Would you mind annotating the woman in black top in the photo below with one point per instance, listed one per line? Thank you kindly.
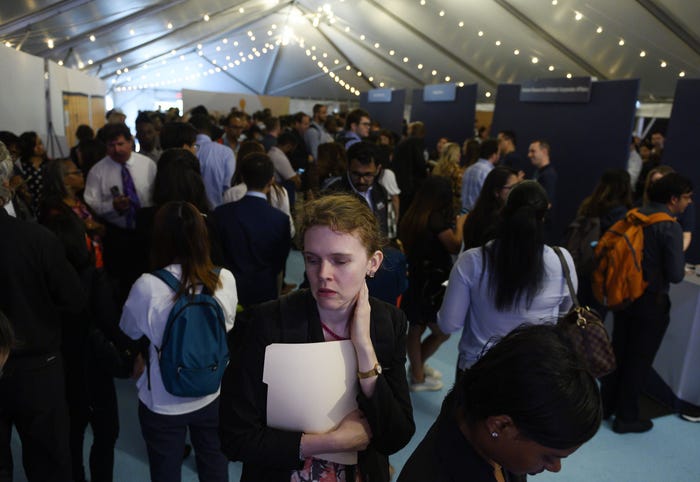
(430, 234)
(525, 405)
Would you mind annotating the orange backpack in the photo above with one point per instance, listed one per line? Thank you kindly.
(617, 278)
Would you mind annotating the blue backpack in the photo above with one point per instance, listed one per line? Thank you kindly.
(193, 353)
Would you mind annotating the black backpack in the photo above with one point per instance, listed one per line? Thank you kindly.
(582, 235)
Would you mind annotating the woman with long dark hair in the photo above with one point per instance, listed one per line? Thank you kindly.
(513, 279)
(480, 225)
(178, 179)
(181, 247)
(610, 199)
(430, 237)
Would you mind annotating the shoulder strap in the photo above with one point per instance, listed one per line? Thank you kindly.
(567, 275)
(168, 278)
(659, 217)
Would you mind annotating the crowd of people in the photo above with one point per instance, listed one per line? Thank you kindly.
(402, 246)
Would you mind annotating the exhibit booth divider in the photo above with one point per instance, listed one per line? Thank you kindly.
(588, 129)
(447, 111)
(680, 146)
(385, 106)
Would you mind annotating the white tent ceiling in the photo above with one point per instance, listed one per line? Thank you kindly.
(291, 48)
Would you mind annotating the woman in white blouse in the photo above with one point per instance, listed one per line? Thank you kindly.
(180, 246)
(510, 280)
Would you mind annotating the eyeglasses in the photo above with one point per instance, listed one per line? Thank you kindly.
(365, 124)
(74, 173)
(508, 188)
(363, 175)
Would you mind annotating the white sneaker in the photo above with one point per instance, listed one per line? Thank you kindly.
(690, 418)
(428, 371)
(432, 372)
(429, 385)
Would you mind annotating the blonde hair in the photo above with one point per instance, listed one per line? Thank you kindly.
(343, 213)
(449, 160)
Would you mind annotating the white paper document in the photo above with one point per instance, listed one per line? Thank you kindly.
(311, 387)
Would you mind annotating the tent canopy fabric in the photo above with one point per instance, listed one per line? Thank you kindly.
(334, 49)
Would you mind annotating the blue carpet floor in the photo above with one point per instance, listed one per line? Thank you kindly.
(670, 452)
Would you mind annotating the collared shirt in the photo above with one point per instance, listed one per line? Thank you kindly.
(10, 209)
(280, 161)
(218, 164)
(107, 173)
(367, 195)
(472, 182)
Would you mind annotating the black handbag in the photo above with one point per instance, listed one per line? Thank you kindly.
(586, 331)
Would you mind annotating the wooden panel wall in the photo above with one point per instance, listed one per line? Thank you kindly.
(82, 109)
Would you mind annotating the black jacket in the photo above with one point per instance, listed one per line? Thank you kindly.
(270, 454)
(37, 285)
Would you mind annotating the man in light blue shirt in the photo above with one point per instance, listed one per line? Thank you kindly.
(474, 176)
(217, 162)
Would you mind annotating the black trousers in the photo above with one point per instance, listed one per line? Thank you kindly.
(33, 399)
(637, 334)
(165, 440)
(92, 399)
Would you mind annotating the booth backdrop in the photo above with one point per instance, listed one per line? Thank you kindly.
(585, 138)
(680, 148)
(452, 119)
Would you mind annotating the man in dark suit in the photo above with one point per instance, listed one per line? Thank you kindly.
(255, 236)
(37, 285)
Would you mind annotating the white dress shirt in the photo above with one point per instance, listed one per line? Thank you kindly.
(108, 173)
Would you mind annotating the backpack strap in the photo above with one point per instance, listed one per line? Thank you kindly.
(567, 275)
(168, 278)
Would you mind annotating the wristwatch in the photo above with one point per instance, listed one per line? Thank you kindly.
(376, 370)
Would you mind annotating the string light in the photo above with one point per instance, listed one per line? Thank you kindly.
(325, 13)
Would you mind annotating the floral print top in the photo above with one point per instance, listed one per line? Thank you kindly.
(317, 470)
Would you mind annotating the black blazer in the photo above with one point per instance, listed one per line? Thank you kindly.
(256, 240)
(270, 454)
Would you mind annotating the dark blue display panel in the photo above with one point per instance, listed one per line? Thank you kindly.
(585, 138)
(454, 120)
(681, 145)
(389, 114)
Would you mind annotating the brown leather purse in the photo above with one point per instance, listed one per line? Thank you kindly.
(586, 331)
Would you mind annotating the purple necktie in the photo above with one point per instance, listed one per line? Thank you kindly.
(130, 192)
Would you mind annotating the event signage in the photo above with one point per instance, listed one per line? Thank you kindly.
(440, 93)
(576, 89)
(379, 96)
